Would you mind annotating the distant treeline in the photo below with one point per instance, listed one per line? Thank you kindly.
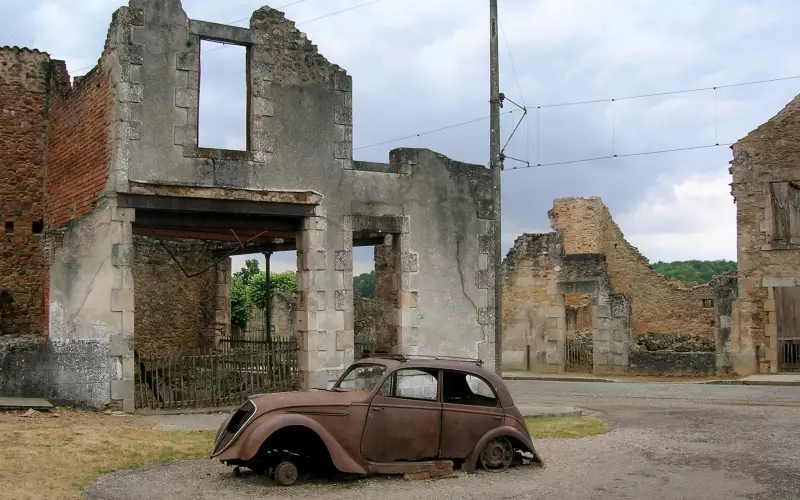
(696, 271)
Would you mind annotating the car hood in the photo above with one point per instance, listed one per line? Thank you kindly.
(283, 400)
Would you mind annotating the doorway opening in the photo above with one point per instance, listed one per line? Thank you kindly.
(787, 311)
(578, 343)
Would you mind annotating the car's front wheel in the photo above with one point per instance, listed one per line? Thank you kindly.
(497, 454)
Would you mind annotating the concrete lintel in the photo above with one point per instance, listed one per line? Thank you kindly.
(780, 281)
(222, 32)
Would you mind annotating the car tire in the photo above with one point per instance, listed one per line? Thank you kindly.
(286, 473)
(497, 455)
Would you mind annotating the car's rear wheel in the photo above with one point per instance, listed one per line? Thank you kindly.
(497, 454)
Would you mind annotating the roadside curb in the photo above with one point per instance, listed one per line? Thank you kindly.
(753, 382)
(557, 379)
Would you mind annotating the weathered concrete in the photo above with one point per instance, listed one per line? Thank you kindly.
(24, 404)
(299, 154)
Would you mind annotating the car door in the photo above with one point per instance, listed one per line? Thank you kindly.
(404, 420)
(470, 409)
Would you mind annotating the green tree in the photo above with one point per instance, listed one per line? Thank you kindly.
(279, 282)
(249, 270)
(694, 271)
(240, 303)
(364, 285)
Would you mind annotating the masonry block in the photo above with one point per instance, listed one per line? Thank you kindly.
(409, 262)
(343, 115)
(122, 389)
(344, 339)
(122, 299)
(343, 150)
(187, 61)
(122, 255)
(186, 98)
(343, 300)
(343, 260)
(121, 345)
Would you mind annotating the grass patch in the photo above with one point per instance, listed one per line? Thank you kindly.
(565, 427)
(47, 457)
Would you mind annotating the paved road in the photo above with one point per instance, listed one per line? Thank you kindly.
(670, 442)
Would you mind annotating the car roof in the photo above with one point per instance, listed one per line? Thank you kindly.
(472, 366)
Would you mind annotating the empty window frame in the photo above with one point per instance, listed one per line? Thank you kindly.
(784, 204)
(222, 116)
(466, 389)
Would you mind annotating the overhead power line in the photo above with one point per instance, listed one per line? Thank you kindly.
(623, 155)
(593, 101)
(306, 21)
(446, 127)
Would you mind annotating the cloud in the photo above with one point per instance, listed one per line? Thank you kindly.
(420, 64)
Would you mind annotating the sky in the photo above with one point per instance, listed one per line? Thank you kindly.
(419, 65)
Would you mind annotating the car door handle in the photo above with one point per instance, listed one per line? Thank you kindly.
(377, 409)
(496, 417)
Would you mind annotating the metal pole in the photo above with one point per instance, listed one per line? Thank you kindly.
(268, 299)
(496, 165)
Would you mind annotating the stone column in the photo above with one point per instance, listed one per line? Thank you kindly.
(222, 307)
(324, 325)
(612, 331)
(386, 292)
(121, 345)
(406, 312)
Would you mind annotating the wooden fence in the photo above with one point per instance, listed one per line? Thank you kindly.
(218, 377)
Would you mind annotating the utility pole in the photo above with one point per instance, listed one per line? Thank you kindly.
(496, 166)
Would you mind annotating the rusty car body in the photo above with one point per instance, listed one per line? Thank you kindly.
(385, 415)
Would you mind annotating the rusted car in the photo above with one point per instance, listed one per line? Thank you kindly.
(388, 414)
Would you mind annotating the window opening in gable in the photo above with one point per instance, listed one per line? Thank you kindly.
(785, 205)
(222, 114)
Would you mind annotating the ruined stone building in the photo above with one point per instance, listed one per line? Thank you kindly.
(582, 291)
(585, 280)
(117, 221)
(766, 189)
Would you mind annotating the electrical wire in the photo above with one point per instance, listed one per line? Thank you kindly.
(306, 21)
(594, 101)
(446, 127)
(623, 155)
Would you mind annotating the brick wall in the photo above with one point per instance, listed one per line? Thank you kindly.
(23, 127)
(79, 150)
(173, 313)
(659, 304)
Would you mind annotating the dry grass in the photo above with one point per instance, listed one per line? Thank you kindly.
(565, 427)
(57, 454)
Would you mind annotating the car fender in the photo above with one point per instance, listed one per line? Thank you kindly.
(261, 429)
(470, 463)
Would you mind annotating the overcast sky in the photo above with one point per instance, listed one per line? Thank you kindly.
(421, 64)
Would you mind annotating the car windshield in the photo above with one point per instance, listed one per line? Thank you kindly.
(360, 378)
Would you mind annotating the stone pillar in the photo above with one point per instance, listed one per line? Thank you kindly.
(612, 332)
(406, 312)
(324, 325)
(121, 345)
(386, 292)
(222, 304)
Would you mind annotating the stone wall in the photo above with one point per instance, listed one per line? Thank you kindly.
(174, 313)
(768, 253)
(24, 94)
(659, 304)
(283, 315)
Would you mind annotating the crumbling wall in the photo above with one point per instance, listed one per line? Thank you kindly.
(763, 161)
(660, 305)
(284, 315)
(529, 314)
(24, 94)
(79, 150)
(174, 313)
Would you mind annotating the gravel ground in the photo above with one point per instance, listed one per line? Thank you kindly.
(670, 441)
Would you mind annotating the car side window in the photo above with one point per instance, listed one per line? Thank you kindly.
(467, 389)
(415, 384)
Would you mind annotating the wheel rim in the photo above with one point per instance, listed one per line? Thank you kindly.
(498, 454)
(286, 473)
